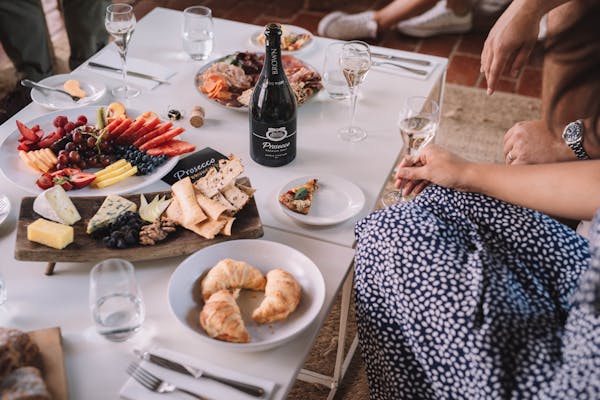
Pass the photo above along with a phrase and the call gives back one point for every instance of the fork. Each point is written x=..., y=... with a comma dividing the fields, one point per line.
x=413, y=70
x=32, y=84
x=154, y=383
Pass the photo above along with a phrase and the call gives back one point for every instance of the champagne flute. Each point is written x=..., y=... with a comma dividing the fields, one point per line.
x=417, y=122
x=120, y=23
x=355, y=62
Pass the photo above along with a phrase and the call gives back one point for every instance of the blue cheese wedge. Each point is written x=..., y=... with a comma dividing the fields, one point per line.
x=111, y=208
x=54, y=204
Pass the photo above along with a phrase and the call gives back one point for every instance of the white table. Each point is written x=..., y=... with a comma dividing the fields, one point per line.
x=36, y=301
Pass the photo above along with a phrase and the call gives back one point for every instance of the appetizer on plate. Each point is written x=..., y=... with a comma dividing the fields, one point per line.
x=231, y=79
x=299, y=199
x=291, y=39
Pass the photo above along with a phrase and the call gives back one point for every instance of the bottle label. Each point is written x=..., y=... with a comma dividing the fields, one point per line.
x=274, y=143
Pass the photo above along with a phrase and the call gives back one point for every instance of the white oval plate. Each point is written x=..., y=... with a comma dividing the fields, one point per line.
x=336, y=200
x=15, y=170
x=4, y=208
x=184, y=291
x=254, y=39
x=94, y=89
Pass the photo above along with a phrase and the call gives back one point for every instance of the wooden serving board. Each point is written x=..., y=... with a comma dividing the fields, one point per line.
x=86, y=248
x=52, y=361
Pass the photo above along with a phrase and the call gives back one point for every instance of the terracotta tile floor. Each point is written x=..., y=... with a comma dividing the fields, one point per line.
x=462, y=50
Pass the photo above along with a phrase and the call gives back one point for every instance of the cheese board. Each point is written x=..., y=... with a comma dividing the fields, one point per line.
x=87, y=248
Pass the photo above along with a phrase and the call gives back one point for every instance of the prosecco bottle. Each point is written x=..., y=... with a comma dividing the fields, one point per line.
x=273, y=108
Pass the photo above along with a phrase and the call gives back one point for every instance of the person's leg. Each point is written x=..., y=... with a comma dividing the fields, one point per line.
x=84, y=21
x=24, y=35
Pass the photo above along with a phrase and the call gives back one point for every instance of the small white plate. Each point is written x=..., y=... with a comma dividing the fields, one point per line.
x=254, y=39
x=94, y=88
x=15, y=170
x=184, y=291
x=336, y=200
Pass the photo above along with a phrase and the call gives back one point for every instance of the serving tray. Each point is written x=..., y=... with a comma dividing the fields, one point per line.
x=86, y=248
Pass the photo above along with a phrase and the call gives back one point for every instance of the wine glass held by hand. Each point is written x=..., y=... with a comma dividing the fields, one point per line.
x=417, y=122
x=355, y=62
x=120, y=23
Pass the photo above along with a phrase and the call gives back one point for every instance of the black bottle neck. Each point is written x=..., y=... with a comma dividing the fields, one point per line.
x=273, y=68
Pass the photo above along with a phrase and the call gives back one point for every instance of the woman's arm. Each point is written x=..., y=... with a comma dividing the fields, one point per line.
x=568, y=189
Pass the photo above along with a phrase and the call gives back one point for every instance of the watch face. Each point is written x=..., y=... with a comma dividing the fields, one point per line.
x=572, y=133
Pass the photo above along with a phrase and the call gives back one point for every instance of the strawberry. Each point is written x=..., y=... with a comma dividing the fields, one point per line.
x=45, y=181
x=49, y=140
x=28, y=133
x=81, y=179
x=23, y=147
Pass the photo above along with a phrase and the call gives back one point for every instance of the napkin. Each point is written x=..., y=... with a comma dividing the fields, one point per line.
x=111, y=58
x=399, y=71
x=132, y=390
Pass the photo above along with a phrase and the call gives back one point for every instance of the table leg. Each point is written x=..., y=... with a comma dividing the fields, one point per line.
x=50, y=268
x=341, y=362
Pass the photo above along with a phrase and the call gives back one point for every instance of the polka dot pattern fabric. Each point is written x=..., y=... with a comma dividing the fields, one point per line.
x=461, y=296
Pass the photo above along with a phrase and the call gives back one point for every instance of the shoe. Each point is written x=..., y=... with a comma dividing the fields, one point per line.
x=339, y=25
x=14, y=102
x=436, y=21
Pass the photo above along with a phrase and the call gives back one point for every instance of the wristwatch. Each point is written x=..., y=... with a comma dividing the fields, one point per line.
x=573, y=137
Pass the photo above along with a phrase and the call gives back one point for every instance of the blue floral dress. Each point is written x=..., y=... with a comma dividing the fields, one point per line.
x=461, y=296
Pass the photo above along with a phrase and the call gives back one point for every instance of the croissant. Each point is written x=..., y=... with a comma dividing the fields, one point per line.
x=231, y=274
x=221, y=318
x=282, y=295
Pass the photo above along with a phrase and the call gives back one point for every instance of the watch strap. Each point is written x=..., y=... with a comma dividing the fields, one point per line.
x=577, y=146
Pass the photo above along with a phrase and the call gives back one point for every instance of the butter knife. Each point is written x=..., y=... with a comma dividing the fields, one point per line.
x=132, y=73
x=198, y=373
x=401, y=59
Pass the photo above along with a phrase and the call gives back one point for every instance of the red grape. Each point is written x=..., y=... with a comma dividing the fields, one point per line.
x=105, y=161
x=60, y=131
x=63, y=159
x=60, y=121
x=70, y=146
x=74, y=157
x=69, y=126
x=77, y=137
x=91, y=141
x=82, y=119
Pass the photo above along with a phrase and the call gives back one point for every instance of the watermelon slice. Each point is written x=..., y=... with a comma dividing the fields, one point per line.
x=165, y=137
x=130, y=133
x=121, y=128
x=159, y=130
x=172, y=148
x=150, y=125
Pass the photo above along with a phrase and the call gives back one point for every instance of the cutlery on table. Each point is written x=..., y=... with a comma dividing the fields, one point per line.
x=401, y=59
x=32, y=84
x=198, y=373
x=413, y=70
x=154, y=383
x=132, y=73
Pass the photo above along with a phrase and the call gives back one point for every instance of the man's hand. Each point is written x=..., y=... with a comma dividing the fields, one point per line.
x=531, y=142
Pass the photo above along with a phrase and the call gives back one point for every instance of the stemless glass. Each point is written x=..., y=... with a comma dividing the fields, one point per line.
x=333, y=78
x=116, y=299
x=417, y=122
x=197, y=32
x=120, y=23
x=355, y=62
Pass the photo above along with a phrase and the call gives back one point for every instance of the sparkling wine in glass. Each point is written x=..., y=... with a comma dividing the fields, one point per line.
x=355, y=62
x=120, y=23
x=417, y=122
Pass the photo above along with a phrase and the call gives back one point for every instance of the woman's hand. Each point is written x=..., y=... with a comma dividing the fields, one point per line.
x=433, y=165
x=510, y=42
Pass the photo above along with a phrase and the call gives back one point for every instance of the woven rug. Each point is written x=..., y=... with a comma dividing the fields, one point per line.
x=473, y=125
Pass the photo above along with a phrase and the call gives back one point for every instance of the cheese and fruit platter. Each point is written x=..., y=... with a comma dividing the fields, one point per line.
x=92, y=151
x=217, y=207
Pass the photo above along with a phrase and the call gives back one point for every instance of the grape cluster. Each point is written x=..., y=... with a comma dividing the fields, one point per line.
x=145, y=163
x=124, y=232
x=83, y=147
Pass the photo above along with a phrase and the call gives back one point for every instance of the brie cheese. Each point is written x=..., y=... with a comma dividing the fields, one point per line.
x=54, y=204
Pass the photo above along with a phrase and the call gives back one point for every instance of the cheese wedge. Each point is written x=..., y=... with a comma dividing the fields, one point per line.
x=54, y=204
x=109, y=211
x=50, y=233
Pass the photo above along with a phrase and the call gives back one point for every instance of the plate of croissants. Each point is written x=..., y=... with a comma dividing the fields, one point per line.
x=246, y=295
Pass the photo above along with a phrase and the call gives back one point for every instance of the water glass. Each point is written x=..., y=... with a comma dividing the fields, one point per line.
x=333, y=78
x=116, y=299
x=198, y=32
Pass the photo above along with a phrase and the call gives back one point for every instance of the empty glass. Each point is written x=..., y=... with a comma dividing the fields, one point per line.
x=116, y=299
x=198, y=32
x=120, y=23
x=333, y=78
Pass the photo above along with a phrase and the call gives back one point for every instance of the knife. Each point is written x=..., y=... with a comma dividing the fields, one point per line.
x=401, y=59
x=198, y=373
x=132, y=73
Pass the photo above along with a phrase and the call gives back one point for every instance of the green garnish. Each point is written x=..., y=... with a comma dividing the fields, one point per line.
x=301, y=194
